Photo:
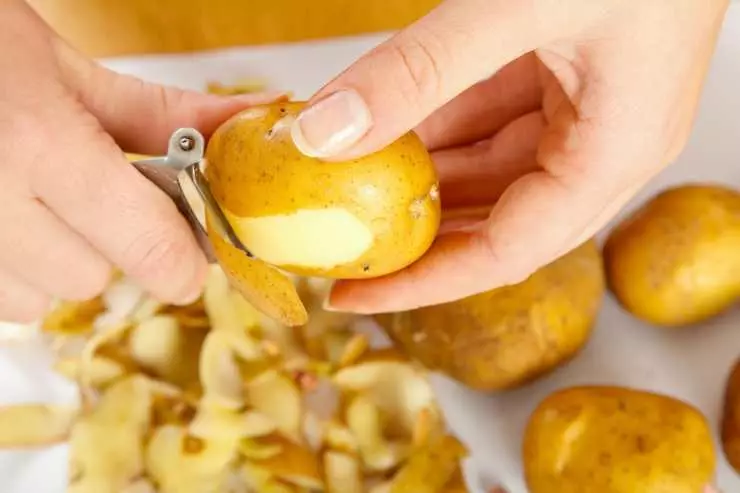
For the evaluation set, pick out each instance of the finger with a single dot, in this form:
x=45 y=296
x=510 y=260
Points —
x=538 y=216
x=485 y=108
x=501 y=251
x=463 y=218
x=19 y=301
x=141 y=116
x=479 y=174
x=45 y=253
x=400 y=83
x=590 y=158
x=90 y=185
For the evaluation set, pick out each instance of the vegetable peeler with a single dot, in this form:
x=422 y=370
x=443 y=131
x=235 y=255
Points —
x=179 y=174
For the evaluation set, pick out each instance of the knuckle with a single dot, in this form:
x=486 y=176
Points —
x=419 y=59
x=164 y=261
x=502 y=262
x=172 y=105
x=20 y=153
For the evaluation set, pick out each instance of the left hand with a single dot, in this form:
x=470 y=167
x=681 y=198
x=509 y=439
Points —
x=588 y=101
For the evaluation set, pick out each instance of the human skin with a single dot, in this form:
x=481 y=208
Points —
x=587 y=102
x=72 y=206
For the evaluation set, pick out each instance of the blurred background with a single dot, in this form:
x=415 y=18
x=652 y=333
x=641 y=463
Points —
x=103 y=28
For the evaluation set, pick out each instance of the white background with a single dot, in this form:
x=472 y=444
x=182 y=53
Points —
x=691 y=364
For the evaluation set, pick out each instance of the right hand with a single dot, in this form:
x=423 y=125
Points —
x=72 y=205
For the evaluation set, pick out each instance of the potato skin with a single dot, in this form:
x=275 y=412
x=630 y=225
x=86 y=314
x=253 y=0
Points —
x=676 y=261
x=506 y=337
x=731 y=419
x=255 y=170
x=617 y=440
x=266 y=288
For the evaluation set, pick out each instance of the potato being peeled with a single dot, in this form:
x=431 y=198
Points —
x=508 y=336
x=355 y=219
x=676 y=261
x=617 y=440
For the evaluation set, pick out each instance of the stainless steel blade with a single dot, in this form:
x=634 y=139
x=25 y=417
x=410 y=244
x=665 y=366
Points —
x=179 y=175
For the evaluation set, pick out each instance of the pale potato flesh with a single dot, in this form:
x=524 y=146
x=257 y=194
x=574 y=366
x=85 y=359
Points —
x=272 y=238
x=265 y=287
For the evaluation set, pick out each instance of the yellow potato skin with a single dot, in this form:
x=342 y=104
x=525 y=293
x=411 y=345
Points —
x=617 y=440
x=676 y=261
x=507 y=337
x=731 y=419
x=267 y=289
x=255 y=170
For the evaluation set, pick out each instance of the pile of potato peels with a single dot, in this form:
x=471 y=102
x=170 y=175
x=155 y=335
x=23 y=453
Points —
x=214 y=397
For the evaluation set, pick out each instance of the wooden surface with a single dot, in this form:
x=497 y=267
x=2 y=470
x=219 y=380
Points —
x=115 y=27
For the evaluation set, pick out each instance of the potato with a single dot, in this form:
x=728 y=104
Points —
x=356 y=219
x=508 y=336
x=617 y=440
x=676 y=261
x=731 y=419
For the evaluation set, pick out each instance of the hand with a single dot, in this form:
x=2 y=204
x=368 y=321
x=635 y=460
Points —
x=72 y=206
x=587 y=101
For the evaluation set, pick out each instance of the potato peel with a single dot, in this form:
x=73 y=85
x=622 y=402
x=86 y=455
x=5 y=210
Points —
x=277 y=396
x=34 y=425
x=343 y=473
x=429 y=469
x=215 y=397
x=74 y=317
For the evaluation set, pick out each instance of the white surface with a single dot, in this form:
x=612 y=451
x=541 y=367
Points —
x=690 y=364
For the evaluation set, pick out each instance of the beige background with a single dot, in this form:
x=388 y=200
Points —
x=116 y=27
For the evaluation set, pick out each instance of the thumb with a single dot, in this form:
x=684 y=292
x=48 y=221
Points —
x=394 y=87
x=141 y=116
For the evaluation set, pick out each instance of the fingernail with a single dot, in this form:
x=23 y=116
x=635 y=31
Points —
x=332 y=125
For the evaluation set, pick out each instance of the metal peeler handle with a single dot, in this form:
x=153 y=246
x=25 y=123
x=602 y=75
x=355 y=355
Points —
x=186 y=148
x=179 y=175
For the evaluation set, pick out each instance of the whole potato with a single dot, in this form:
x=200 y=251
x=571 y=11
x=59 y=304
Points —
x=506 y=337
x=676 y=261
x=617 y=440
x=355 y=219
x=731 y=419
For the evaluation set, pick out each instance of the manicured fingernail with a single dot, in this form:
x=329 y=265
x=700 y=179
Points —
x=332 y=125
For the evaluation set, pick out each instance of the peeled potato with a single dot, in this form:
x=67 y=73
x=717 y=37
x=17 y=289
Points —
x=355 y=219
x=506 y=337
x=676 y=260
x=617 y=440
